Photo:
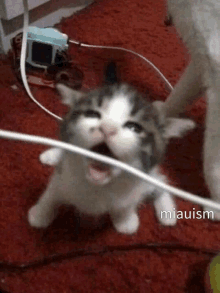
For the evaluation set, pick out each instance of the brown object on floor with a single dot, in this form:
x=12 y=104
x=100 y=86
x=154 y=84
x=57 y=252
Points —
x=168 y=20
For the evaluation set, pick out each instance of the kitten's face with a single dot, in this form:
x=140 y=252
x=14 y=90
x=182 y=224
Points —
x=117 y=122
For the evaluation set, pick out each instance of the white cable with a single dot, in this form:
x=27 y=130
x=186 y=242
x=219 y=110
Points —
x=69 y=147
x=23 y=59
x=126 y=50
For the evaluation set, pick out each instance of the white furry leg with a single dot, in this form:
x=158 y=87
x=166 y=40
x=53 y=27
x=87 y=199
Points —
x=43 y=213
x=125 y=221
x=39 y=217
x=51 y=157
x=164 y=204
x=185 y=91
x=212 y=148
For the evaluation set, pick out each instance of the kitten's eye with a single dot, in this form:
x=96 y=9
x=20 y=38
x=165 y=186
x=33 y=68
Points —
x=134 y=126
x=92 y=114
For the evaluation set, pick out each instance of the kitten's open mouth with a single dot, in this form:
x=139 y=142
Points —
x=103 y=149
x=98 y=172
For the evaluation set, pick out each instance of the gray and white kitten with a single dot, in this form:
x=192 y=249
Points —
x=119 y=122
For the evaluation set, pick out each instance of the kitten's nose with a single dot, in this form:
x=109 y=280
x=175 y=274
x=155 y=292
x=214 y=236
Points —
x=108 y=129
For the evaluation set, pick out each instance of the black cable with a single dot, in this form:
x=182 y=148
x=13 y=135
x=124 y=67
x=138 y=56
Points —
x=59 y=257
x=73 y=254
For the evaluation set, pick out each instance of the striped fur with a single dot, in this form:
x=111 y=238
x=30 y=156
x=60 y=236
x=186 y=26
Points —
x=150 y=144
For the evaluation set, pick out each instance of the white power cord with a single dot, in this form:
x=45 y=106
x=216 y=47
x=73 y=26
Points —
x=66 y=146
x=125 y=50
x=23 y=59
x=62 y=145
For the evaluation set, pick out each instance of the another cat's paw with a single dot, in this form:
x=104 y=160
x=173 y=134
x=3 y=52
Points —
x=36 y=219
x=51 y=157
x=129 y=225
x=211 y=214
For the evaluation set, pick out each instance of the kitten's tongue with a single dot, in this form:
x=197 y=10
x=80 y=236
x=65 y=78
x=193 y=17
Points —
x=99 y=172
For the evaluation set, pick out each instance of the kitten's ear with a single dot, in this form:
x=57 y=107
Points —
x=174 y=127
x=110 y=75
x=69 y=95
x=178 y=127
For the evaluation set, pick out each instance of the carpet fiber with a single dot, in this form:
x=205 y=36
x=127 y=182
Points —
x=102 y=260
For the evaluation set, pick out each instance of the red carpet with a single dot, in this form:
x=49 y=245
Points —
x=101 y=259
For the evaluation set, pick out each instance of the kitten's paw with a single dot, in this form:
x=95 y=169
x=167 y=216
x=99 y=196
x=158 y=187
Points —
x=164 y=207
x=37 y=220
x=211 y=214
x=129 y=225
x=51 y=157
x=167 y=221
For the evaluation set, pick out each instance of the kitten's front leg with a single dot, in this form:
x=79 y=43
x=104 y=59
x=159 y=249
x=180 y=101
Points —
x=164 y=204
x=43 y=213
x=125 y=220
x=51 y=157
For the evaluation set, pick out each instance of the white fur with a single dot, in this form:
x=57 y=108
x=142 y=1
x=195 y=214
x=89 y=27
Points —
x=165 y=203
x=51 y=157
x=198 y=23
x=116 y=192
x=120 y=199
x=119 y=108
x=214 y=45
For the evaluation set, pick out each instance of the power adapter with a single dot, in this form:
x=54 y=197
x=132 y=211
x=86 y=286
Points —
x=47 y=60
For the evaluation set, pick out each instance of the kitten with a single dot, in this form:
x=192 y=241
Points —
x=117 y=121
x=198 y=23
